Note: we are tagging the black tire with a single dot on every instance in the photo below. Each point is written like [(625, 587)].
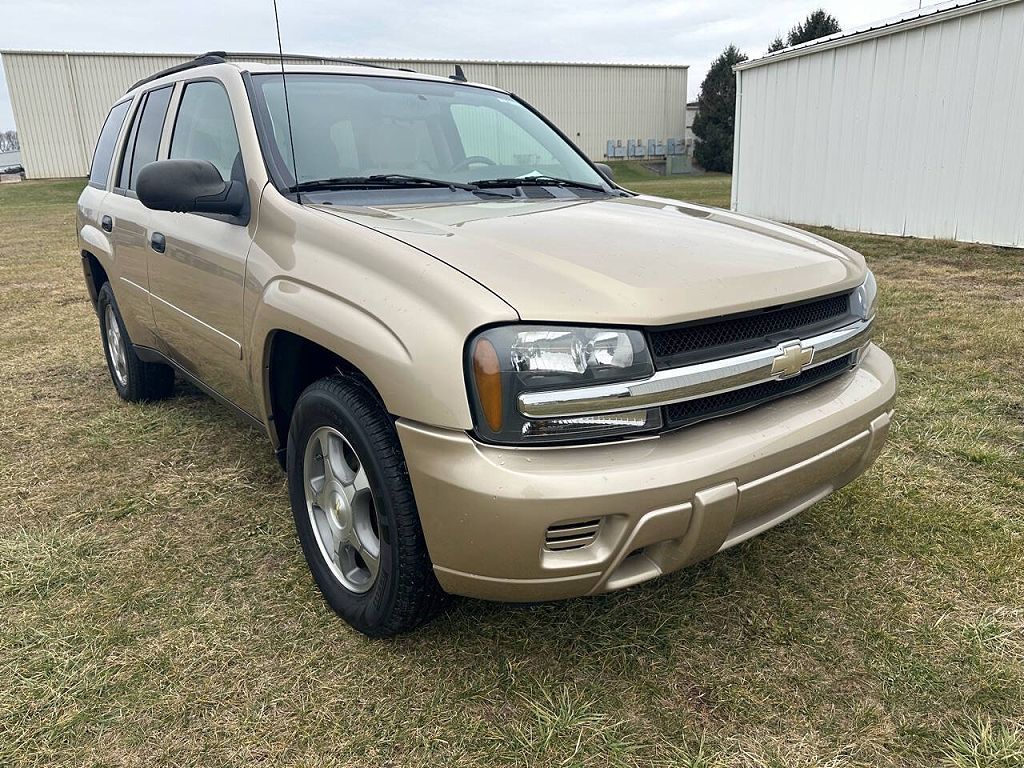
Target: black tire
[(141, 381), (405, 592)]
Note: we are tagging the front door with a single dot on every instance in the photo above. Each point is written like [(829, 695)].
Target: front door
[(197, 261)]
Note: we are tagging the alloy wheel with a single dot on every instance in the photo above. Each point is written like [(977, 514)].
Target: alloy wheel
[(341, 509), (116, 347)]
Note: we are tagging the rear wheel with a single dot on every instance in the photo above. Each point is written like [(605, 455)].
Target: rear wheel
[(134, 379), (354, 510)]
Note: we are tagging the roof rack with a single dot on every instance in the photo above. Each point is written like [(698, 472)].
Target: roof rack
[(307, 57), (212, 57), (221, 57)]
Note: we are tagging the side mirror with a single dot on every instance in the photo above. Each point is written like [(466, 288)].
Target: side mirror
[(189, 186), (606, 170)]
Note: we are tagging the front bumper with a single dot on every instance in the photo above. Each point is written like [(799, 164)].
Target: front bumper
[(664, 502)]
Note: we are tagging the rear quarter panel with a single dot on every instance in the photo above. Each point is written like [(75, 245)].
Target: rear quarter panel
[(91, 238)]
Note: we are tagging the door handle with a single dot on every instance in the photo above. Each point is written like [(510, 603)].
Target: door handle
[(107, 223), (158, 242)]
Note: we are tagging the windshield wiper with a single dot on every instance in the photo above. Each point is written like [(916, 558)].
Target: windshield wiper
[(538, 181), (378, 180)]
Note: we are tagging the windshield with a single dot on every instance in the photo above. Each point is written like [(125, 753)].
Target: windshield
[(351, 127)]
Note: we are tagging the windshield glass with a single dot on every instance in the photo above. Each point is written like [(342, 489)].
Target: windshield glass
[(349, 127)]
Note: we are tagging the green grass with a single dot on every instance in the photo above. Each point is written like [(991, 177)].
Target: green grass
[(155, 608), (706, 189)]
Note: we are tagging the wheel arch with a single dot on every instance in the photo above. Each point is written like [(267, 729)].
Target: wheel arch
[(412, 363), (291, 362), (95, 275)]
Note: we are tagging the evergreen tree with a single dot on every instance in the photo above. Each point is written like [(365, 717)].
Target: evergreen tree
[(817, 24), (777, 44), (716, 113)]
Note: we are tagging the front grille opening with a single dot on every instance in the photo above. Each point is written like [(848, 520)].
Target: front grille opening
[(568, 536), (732, 335), (725, 403)]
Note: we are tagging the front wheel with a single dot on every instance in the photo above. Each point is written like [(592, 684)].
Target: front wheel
[(354, 510)]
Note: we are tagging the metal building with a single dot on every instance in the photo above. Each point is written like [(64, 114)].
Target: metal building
[(61, 98), (911, 126)]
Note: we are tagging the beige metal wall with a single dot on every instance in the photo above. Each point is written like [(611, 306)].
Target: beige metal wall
[(60, 99), (911, 130)]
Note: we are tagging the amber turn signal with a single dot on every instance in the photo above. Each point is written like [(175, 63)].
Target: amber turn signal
[(487, 372)]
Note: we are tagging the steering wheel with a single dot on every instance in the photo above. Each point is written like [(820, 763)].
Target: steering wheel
[(472, 160)]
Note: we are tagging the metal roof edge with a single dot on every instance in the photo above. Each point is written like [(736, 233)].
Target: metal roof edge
[(388, 59), (891, 26)]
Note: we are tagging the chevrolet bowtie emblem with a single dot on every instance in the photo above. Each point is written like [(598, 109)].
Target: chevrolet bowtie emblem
[(792, 360)]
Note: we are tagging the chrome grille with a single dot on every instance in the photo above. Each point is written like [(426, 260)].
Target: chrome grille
[(732, 335), (725, 403)]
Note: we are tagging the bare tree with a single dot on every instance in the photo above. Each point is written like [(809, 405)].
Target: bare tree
[(9, 141)]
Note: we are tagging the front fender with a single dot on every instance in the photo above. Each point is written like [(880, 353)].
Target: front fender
[(419, 378), (398, 315)]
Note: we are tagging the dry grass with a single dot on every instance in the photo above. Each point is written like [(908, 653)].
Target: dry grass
[(156, 609)]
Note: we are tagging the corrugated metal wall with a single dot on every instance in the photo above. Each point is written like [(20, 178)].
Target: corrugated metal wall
[(61, 99), (589, 103), (914, 132)]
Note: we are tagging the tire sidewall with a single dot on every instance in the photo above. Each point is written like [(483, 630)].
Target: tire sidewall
[(103, 300), (367, 612)]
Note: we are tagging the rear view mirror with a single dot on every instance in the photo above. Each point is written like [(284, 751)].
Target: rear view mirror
[(606, 170), (189, 186)]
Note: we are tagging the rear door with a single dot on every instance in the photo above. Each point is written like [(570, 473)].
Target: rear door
[(128, 219), (197, 261), (94, 223)]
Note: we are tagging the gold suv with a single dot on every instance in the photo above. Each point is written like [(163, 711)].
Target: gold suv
[(487, 369)]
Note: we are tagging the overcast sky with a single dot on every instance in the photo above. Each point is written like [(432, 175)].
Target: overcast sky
[(651, 31)]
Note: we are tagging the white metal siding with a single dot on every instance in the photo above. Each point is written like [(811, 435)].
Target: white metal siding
[(915, 132), (61, 99)]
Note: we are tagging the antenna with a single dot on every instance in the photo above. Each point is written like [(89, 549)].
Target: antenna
[(459, 75), (287, 109)]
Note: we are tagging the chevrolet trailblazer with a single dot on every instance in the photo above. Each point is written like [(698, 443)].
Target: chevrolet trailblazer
[(487, 368)]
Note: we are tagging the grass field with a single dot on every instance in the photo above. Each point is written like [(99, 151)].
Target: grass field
[(706, 189), (155, 608)]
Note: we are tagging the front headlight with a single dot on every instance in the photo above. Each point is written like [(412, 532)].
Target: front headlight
[(505, 361), (865, 298)]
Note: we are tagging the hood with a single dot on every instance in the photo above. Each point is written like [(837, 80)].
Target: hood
[(629, 260)]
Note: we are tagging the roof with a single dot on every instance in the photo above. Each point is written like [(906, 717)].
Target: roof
[(239, 56), (919, 17)]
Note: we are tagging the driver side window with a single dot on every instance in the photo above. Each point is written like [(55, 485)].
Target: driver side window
[(205, 129)]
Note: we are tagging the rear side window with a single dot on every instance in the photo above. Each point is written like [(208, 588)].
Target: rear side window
[(144, 140), (105, 144), (205, 129)]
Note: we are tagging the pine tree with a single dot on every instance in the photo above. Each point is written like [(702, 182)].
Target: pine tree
[(716, 113), (777, 44), (817, 24)]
